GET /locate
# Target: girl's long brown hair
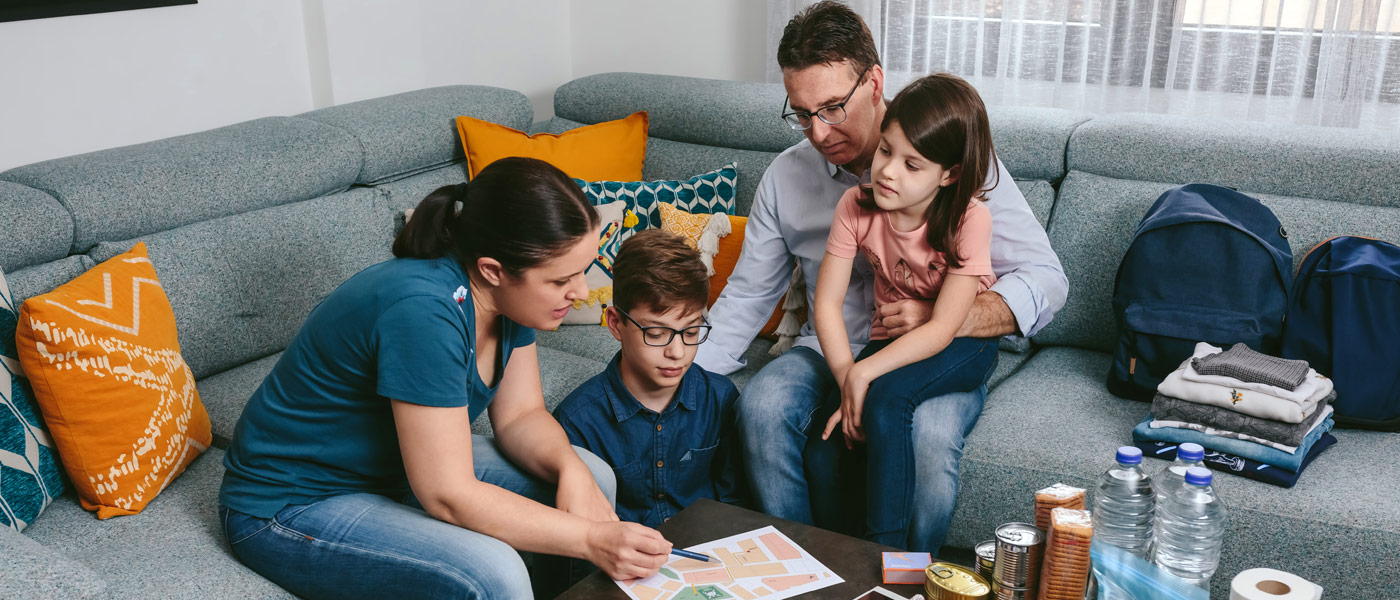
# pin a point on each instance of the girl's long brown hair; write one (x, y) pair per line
(946, 122)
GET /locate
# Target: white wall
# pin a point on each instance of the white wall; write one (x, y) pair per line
(716, 39)
(380, 48)
(70, 85)
(77, 84)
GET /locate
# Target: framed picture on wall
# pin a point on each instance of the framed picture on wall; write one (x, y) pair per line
(20, 10)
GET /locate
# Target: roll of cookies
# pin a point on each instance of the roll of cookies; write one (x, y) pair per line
(1056, 496)
(1065, 573)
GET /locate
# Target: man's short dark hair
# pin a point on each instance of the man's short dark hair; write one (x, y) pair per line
(657, 269)
(826, 33)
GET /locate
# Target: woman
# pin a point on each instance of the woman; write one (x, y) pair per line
(352, 471)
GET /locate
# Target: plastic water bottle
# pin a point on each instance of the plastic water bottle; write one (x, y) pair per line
(1190, 528)
(1173, 477)
(1124, 504)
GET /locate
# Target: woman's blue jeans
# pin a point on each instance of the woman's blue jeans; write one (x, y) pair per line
(366, 545)
(888, 421)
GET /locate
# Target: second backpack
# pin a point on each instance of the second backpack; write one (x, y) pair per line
(1207, 264)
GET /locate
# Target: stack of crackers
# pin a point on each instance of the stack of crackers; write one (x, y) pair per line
(1056, 496)
(1065, 573)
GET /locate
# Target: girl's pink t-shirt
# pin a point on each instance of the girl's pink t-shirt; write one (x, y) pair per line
(904, 264)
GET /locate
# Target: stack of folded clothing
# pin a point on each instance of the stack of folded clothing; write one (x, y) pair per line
(1259, 416)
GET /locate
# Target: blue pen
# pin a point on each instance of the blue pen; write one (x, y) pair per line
(689, 554)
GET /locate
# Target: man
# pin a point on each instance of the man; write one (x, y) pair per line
(835, 87)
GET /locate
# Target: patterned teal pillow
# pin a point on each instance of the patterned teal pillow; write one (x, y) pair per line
(30, 474)
(705, 193)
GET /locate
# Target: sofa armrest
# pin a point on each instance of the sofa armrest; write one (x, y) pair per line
(32, 570)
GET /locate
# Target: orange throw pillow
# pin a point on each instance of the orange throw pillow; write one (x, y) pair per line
(103, 357)
(608, 151)
(725, 259)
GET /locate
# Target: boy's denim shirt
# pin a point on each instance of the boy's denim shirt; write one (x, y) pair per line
(664, 461)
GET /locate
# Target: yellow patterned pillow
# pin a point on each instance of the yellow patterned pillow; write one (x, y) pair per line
(103, 357)
(701, 231)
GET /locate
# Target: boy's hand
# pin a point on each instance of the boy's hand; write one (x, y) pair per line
(579, 495)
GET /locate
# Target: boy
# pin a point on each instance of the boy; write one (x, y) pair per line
(665, 425)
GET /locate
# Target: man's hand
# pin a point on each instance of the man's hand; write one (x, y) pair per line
(579, 495)
(903, 316)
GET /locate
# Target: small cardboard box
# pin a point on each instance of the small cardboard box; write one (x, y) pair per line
(904, 567)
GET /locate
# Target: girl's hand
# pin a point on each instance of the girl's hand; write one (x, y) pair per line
(579, 495)
(852, 401)
(831, 425)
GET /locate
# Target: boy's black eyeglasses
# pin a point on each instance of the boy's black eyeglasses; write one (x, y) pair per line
(834, 114)
(662, 336)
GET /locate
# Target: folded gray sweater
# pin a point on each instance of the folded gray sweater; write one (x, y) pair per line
(1167, 408)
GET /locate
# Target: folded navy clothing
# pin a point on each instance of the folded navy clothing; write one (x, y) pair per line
(1243, 467)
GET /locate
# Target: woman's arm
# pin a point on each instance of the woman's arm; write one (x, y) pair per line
(437, 455)
(533, 439)
(833, 280)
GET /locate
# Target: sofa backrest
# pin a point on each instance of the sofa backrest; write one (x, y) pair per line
(249, 226)
(1319, 182)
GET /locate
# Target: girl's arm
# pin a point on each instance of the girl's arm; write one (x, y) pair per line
(833, 280)
(949, 310)
(954, 302)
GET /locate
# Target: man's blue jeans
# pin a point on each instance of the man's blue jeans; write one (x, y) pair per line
(776, 417)
(366, 545)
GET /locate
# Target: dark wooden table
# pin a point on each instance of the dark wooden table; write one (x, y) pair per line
(855, 560)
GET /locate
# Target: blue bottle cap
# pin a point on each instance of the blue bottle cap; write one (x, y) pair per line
(1129, 455)
(1190, 451)
(1198, 476)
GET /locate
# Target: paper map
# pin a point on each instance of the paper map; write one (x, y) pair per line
(761, 564)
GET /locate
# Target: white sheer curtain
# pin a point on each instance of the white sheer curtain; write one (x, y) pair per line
(1320, 62)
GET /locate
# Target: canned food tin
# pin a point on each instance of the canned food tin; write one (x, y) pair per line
(1020, 547)
(947, 581)
(1001, 592)
(986, 558)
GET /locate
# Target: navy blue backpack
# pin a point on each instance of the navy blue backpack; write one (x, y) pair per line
(1207, 264)
(1344, 319)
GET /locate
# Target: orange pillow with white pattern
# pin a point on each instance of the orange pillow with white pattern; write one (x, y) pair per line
(103, 357)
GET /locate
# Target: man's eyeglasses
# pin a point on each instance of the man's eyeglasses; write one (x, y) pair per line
(662, 336)
(834, 114)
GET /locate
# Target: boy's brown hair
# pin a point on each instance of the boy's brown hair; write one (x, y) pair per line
(656, 268)
(827, 33)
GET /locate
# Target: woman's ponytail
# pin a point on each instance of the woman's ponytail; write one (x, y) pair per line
(518, 211)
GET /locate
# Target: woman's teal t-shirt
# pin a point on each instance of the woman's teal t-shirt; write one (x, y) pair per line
(321, 425)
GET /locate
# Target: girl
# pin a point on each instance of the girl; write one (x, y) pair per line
(353, 471)
(923, 227)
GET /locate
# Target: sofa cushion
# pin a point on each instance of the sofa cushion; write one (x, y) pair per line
(242, 285)
(589, 310)
(413, 132)
(40, 279)
(709, 192)
(611, 150)
(1093, 225)
(1040, 195)
(174, 548)
(226, 393)
(104, 360)
(35, 571)
(128, 192)
(1053, 421)
(406, 193)
(1330, 163)
(708, 112)
(1031, 141)
(34, 227)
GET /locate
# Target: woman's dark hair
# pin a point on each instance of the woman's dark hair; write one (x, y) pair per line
(521, 212)
(946, 122)
(827, 33)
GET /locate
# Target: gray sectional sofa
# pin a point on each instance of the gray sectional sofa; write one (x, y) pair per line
(249, 226)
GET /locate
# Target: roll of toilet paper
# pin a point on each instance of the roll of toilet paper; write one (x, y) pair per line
(1272, 584)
